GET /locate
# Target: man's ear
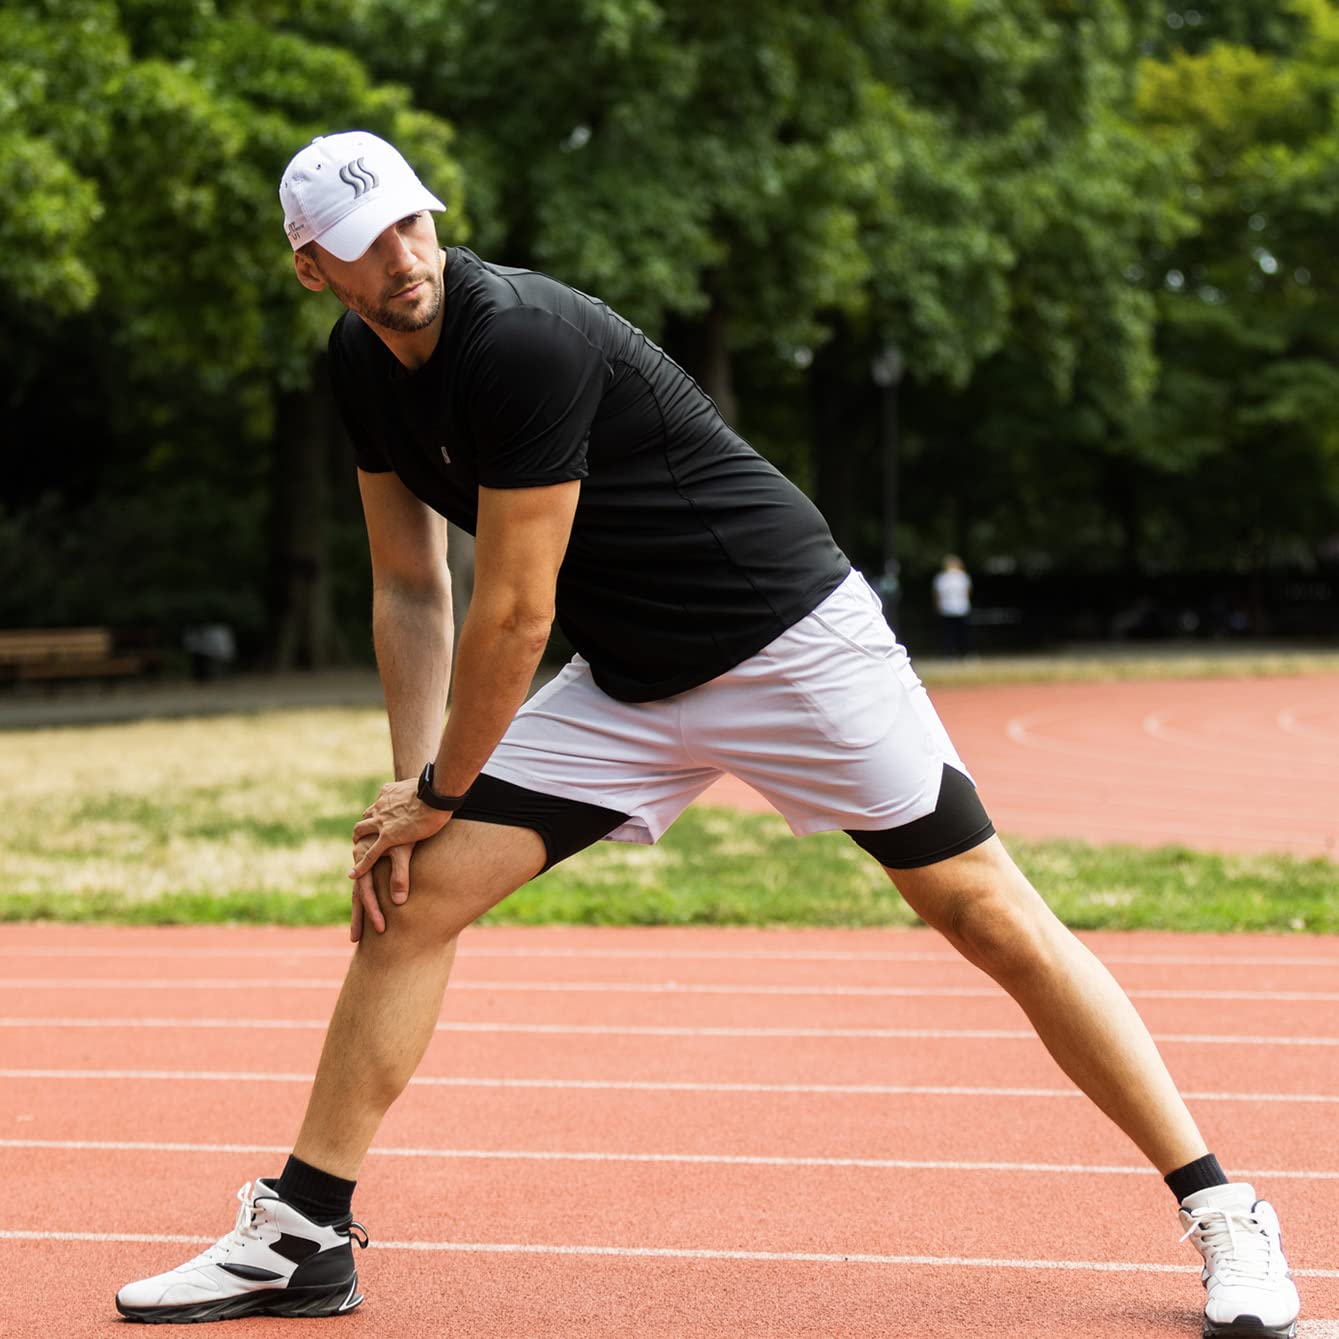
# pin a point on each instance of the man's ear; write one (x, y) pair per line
(308, 275)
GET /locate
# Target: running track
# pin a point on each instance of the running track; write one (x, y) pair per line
(660, 1133)
(720, 1133)
(1223, 765)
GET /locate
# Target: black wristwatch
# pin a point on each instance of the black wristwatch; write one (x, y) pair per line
(431, 798)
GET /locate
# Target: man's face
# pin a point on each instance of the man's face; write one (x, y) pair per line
(396, 283)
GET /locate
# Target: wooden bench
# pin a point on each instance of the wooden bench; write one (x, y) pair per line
(49, 655)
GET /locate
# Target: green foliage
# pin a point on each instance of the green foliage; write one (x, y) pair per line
(146, 144)
(1248, 300)
(42, 243)
(1099, 235)
(52, 120)
(964, 181)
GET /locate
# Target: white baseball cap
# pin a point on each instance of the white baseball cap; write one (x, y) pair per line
(344, 190)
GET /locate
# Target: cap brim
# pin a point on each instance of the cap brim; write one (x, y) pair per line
(356, 231)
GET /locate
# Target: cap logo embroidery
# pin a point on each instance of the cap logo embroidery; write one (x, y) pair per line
(358, 175)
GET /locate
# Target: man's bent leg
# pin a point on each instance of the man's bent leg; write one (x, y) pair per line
(392, 994)
(291, 1257)
(982, 903)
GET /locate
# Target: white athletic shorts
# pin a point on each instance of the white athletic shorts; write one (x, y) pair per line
(829, 722)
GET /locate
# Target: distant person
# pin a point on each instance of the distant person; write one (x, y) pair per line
(211, 647)
(953, 600)
(719, 629)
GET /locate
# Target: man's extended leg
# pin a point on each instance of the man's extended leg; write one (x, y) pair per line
(981, 902)
(983, 905)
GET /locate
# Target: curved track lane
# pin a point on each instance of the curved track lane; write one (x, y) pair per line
(661, 1133)
(1240, 765)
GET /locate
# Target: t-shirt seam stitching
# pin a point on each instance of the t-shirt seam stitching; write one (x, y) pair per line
(706, 525)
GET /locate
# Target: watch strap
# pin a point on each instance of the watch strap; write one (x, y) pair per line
(431, 798)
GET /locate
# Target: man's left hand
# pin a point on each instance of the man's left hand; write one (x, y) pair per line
(397, 819)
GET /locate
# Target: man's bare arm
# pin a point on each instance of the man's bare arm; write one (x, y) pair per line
(519, 546)
(411, 616)
(411, 630)
(522, 537)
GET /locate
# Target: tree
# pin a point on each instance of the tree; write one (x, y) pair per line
(799, 186)
(147, 290)
(1245, 421)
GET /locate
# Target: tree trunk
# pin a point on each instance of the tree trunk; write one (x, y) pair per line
(1122, 497)
(717, 380)
(302, 624)
(701, 348)
(837, 416)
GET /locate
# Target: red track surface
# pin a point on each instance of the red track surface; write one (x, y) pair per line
(1222, 765)
(743, 1134)
(661, 1133)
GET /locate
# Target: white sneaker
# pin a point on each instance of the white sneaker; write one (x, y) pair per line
(275, 1262)
(1250, 1289)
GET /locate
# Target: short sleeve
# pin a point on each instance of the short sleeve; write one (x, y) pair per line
(530, 393)
(345, 382)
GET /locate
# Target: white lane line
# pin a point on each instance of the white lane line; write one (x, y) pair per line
(830, 990)
(676, 1253)
(677, 1159)
(669, 1253)
(607, 1030)
(469, 952)
(1290, 722)
(634, 1085)
(1231, 750)
(1216, 960)
(1182, 772)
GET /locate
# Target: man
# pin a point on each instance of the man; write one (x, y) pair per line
(718, 628)
(953, 601)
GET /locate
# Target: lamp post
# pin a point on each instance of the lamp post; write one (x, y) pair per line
(886, 368)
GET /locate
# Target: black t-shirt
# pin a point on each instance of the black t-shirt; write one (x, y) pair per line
(689, 552)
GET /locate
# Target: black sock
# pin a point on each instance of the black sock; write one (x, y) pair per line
(323, 1198)
(1198, 1175)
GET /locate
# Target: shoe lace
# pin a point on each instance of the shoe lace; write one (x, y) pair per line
(244, 1229)
(1236, 1244)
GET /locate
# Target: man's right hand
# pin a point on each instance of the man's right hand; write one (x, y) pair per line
(366, 908)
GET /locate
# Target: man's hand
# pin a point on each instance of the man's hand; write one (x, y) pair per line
(366, 906)
(391, 826)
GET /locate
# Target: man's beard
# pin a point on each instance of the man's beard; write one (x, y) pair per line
(382, 313)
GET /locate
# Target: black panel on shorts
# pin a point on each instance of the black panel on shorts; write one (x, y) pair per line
(958, 823)
(564, 826)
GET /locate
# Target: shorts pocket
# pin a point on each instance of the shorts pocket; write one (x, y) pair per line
(846, 670)
(846, 666)
(856, 700)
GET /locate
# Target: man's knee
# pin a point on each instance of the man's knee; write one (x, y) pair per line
(433, 913)
(986, 907)
(455, 877)
(1003, 933)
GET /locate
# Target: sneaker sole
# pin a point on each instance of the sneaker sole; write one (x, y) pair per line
(310, 1302)
(1247, 1327)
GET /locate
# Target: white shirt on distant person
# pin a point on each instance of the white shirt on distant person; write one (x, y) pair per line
(953, 593)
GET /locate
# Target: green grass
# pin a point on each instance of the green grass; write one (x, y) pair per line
(720, 868)
(203, 813)
(247, 819)
(1105, 665)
